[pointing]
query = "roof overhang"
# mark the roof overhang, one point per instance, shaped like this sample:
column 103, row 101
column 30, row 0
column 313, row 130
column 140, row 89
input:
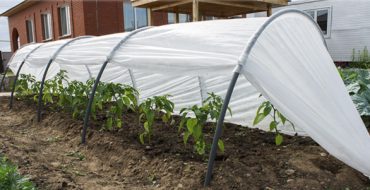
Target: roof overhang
column 220, row 8
column 19, row 7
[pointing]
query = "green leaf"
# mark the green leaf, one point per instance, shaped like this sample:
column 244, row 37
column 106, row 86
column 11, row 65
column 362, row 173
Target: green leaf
column 259, row 117
column 186, row 137
column 197, row 132
column 150, row 116
column 126, row 100
column 267, row 109
column 182, row 110
column 191, row 123
column 353, row 88
column 141, row 117
column 119, row 123
column 229, row 109
column 165, row 118
column 147, row 127
column 262, row 106
column 141, row 138
column 362, row 102
column 132, row 97
column 200, row 147
column 221, row 145
column 182, row 123
column 273, row 125
column 120, row 104
column 282, row 118
column 278, row 139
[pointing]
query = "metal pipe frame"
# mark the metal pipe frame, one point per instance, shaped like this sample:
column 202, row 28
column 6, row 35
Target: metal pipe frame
column 202, row 89
column 93, row 91
column 133, row 81
column 40, row 103
column 242, row 61
column 17, row 75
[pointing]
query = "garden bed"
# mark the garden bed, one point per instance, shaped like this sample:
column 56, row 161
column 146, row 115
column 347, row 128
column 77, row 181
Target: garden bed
column 51, row 154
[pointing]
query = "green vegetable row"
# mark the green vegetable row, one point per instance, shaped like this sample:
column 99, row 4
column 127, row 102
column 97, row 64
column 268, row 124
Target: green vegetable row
column 113, row 100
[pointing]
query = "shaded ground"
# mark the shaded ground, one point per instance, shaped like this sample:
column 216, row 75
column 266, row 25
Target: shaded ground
column 50, row 153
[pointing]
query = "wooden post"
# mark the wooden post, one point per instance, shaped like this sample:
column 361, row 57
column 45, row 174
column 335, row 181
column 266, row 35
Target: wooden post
column 150, row 17
column 195, row 10
column 269, row 10
column 177, row 18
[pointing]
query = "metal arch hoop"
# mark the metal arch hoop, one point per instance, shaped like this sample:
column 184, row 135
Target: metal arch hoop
column 242, row 60
column 17, row 75
column 92, row 93
column 39, row 107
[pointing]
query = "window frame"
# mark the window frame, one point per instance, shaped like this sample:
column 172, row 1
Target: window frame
column 170, row 15
column 49, row 18
column 184, row 18
column 68, row 20
column 31, row 20
column 134, row 16
column 329, row 22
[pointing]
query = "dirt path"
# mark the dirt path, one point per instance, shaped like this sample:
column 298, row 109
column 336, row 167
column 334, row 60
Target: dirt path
column 49, row 152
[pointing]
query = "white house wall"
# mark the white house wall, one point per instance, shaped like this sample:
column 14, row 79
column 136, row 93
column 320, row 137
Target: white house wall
column 350, row 24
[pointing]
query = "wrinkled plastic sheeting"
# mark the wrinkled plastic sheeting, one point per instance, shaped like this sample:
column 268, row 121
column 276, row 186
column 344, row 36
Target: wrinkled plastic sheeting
column 299, row 77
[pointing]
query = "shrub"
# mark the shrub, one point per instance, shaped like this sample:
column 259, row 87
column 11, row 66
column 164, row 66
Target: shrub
column 357, row 82
column 360, row 59
column 10, row 179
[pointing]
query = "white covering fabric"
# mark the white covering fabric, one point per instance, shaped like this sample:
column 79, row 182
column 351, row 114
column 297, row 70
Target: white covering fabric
column 288, row 64
column 298, row 76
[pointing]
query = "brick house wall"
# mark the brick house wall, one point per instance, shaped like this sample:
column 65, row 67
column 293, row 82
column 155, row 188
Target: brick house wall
column 17, row 21
column 103, row 17
column 98, row 17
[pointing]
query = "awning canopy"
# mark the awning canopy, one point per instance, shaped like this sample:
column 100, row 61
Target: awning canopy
column 284, row 57
column 219, row 8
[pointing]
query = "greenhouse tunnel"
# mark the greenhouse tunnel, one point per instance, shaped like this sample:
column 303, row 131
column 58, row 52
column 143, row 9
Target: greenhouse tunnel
column 283, row 57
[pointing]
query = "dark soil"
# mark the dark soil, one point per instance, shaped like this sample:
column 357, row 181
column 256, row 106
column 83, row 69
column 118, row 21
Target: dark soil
column 50, row 153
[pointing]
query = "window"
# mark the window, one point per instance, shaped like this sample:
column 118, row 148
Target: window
column 30, row 31
column 46, row 26
column 171, row 18
column 134, row 18
column 209, row 18
column 184, row 18
column 323, row 19
column 64, row 21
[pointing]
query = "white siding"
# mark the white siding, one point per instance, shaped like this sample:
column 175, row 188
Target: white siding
column 350, row 24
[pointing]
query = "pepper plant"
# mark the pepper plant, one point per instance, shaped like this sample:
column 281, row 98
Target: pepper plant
column 194, row 127
column 23, row 88
column 267, row 109
column 118, row 98
column 152, row 108
column 111, row 99
column 54, row 87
